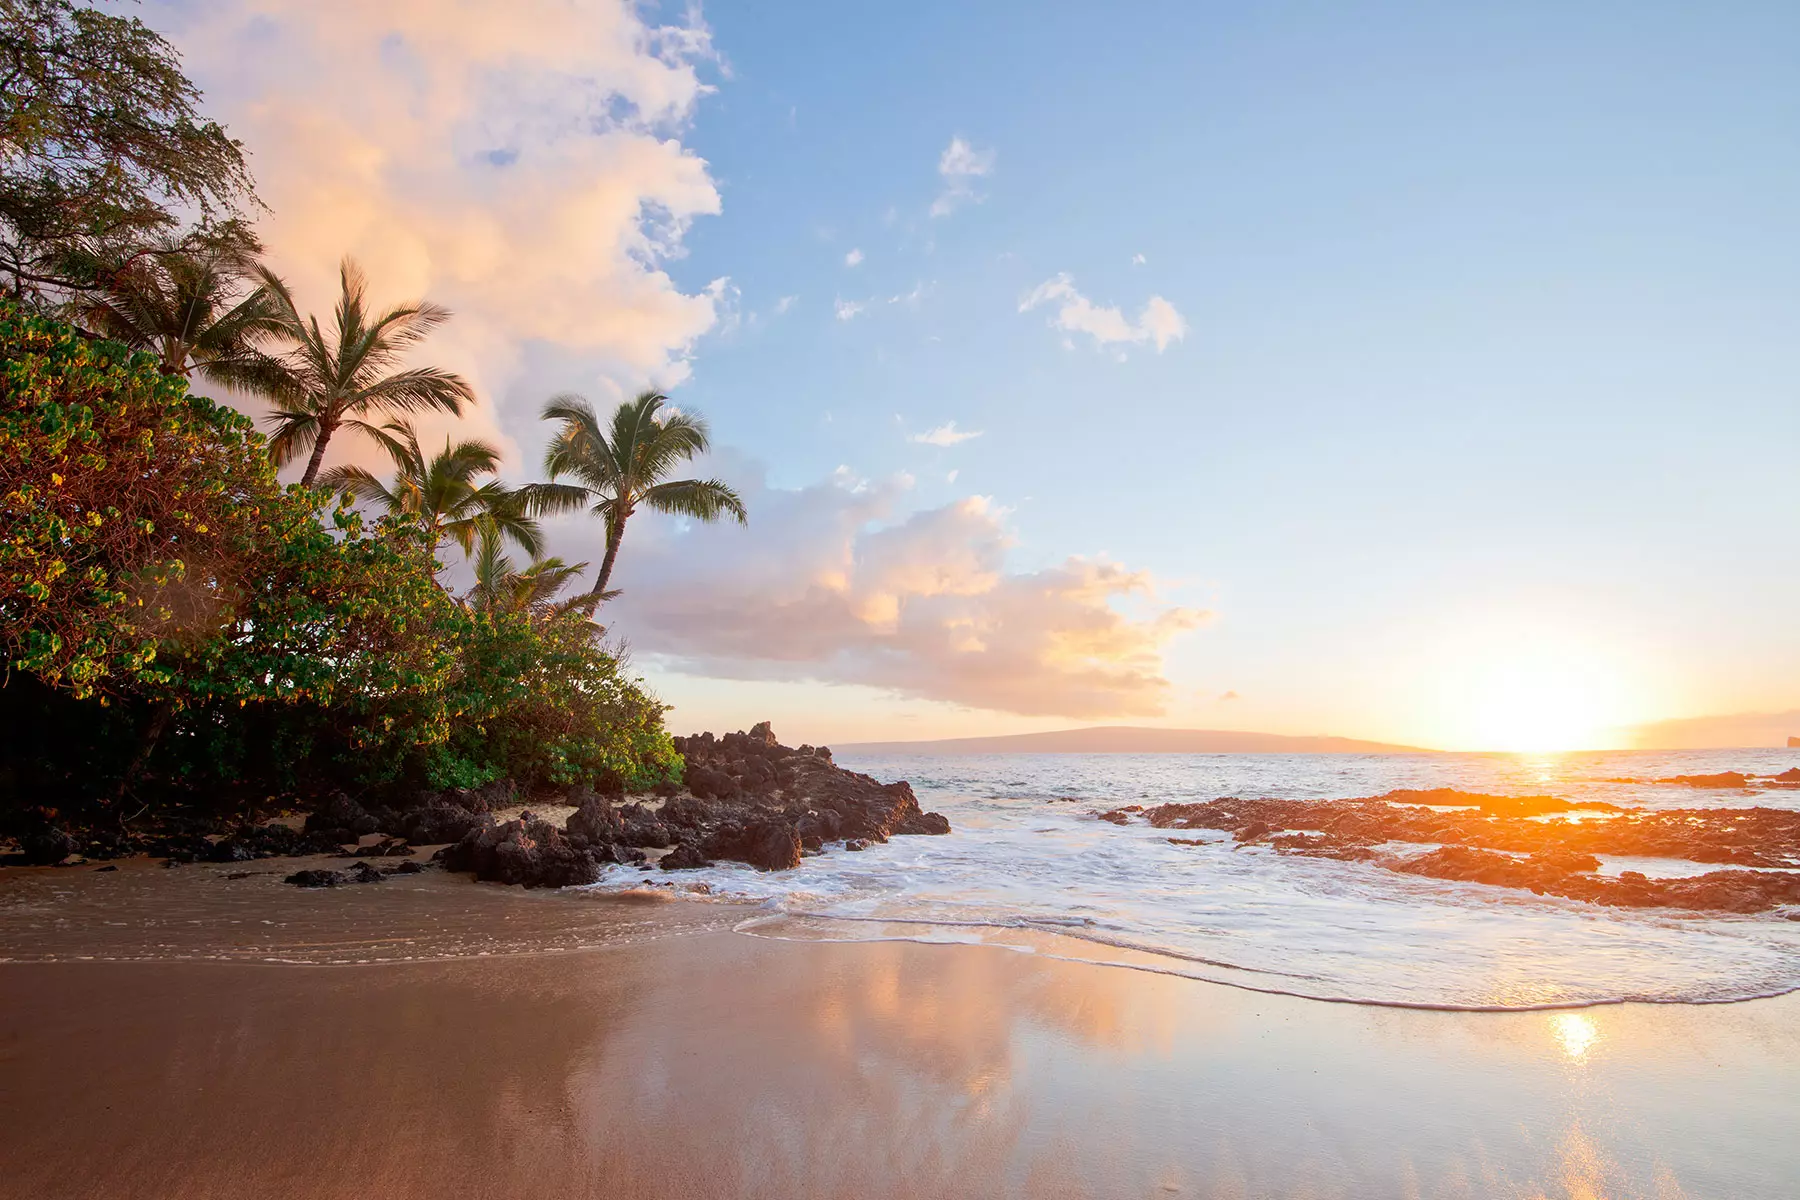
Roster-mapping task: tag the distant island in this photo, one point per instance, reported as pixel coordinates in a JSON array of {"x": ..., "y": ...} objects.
[{"x": 1130, "y": 739}]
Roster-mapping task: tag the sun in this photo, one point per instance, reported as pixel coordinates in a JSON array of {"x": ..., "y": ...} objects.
[{"x": 1532, "y": 694}]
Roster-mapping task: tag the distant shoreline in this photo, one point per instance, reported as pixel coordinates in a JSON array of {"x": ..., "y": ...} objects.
[{"x": 1127, "y": 739}]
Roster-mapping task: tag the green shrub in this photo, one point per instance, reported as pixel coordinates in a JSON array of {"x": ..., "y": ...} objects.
[{"x": 174, "y": 624}]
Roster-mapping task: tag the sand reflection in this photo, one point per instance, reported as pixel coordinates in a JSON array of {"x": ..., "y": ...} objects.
[{"x": 717, "y": 1065}]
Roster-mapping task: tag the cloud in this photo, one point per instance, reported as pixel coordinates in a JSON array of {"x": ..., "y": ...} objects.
[
  {"x": 848, "y": 310},
  {"x": 1158, "y": 323},
  {"x": 519, "y": 162},
  {"x": 918, "y": 293},
  {"x": 853, "y": 258},
  {"x": 829, "y": 583},
  {"x": 1230, "y": 696},
  {"x": 785, "y": 303},
  {"x": 1138, "y": 260},
  {"x": 960, "y": 166},
  {"x": 946, "y": 434}
]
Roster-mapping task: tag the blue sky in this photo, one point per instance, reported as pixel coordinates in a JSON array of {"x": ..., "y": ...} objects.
[{"x": 1482, "y": 421}]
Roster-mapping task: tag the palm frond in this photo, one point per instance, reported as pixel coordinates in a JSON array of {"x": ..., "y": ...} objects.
[{"x": 701, "y": 499}]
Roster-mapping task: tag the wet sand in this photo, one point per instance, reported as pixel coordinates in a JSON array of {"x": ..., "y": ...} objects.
[{"x": 671, "y": 1057}]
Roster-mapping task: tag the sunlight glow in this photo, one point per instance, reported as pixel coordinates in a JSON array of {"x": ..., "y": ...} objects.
[
  {"x": 1575, "y": 1032},
  {"x": 1529, "y": 692}
]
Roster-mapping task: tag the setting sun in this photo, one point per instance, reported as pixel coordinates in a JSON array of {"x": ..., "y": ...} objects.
[{"x": 1530, "y": 691}]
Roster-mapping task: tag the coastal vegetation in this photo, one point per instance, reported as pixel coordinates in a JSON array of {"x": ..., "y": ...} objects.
[{"x": 180, "y": 631}]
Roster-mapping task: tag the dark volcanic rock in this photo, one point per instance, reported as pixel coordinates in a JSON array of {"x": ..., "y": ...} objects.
[
  {"x": 440, "y": 821},
  {"x": 360, "y": 873},
  {"x": 1724, "y": 779},
  {"x": 341, "y": 816},
  {"x": 768, "y": 844},
  {"x": 596, "y": 820},
  {"x": 47, "y": 845},
  {"x": 685, "y": 857},
  {"x": 1487, "y": 841},
  {"x": 535, "y": 855}
]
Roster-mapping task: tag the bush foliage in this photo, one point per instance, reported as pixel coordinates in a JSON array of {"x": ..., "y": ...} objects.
[{"x": 177, "y": 626}]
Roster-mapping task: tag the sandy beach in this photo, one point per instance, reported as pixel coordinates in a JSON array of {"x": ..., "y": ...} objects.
[{"x": 660, "y": 1054}]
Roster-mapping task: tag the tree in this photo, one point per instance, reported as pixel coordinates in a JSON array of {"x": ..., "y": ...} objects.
[
  {"x": 187, "y": 300},
  {"x": 133, "y": 510},
  {"x": 326, "y": 383},
  {"x": 622, "y": 467},
  {"x": 442, "y": 492},
  {"x": 500, "y": 584},
  {"x": 99, "y": 140}
]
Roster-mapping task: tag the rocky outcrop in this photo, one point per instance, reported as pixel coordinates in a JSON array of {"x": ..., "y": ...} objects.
[
  {"x": 1534, "y": 843},
  {"x": 760, "y": 802}
]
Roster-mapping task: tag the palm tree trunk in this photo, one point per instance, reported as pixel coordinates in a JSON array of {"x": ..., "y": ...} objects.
[
  {"x": 318, "y": 454},
  {"x": 614, "y": 535}
]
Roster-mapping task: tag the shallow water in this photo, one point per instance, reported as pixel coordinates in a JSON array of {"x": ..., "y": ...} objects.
[{"x": 1030, "y": 868}]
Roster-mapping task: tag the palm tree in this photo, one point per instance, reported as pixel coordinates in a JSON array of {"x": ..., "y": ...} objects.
[
  {"x": 442, "y": 491},
  {"x": 621, "y": 467},
  {"x": 188, "y": 303},
  {"x": 335, "y": 381},
  {"x": 499, "y": 584}
]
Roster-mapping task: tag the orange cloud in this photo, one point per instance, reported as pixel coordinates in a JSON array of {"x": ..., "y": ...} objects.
[
  {"x": 519, "y": 162},
  {"x": 827, "y": 584}
]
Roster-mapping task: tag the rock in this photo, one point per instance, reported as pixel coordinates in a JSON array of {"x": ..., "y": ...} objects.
[
  {"x": 1791, "y": 775},
  {"x": 46, "y": 846},
  {"x": 501, "y": 793},
  {"x": 1724, "y": 779},
  {"x": 857, "y": 844},
  {"x": 533, "y": 854},
  {"x": 440, "y": 821},
  {"x": 934, "y": 824},
  {"x": 685, "y": 857},
  {"x": 596, "y": 820},
  {"x": 362, "y": 872},
  {"x": 314, "y": 879},
  {"x": 344, "y": 818},
  {"x": 1116, "y": 817},
  {"x": 1250, "y": 832},
  {"x": 645, "y": 829},
  {"x": 107, "y": 867},
  {"x": 410, "y": 867},
  {"x": 768, "y": 844}
]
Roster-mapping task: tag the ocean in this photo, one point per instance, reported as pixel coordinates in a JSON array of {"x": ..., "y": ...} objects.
[{"x": 1030, "y": 869}]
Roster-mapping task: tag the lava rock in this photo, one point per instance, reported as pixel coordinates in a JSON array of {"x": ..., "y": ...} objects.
[
  {"x": 596, "y": 820},
  {"x": 441, "y": 821},
  {"x": 532, "y": 854},
  {"x": 685, "y": 857},
  {"x": 768, "y": 844}
]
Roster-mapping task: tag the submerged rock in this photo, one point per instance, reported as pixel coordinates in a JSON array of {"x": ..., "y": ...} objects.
[{"x": 360, "y": 873}]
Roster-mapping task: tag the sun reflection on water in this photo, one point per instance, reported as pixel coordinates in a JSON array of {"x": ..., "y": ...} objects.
[{"x": 1575, "y": 1033}]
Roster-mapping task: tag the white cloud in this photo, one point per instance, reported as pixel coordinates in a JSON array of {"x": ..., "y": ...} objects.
[
  {"x": 1157, "y": 323},
  {"x": 919, "y": 292},
  {"x": 831, "y": 583},
  {"x": 946, "y": 434},
  {"x": 1138, "y": 260},
  {"x": 785, "y": 303},
  {"x": 849, "y": 310},
  {"x": 520, "y": 162},
  {"x": 951, "y": 477},
  {"x": 853, "y": 258},
  {"x": 961, "y": 165}
]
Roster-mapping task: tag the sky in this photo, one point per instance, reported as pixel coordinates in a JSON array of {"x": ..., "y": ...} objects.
[{"x": 1412, "y": 372}]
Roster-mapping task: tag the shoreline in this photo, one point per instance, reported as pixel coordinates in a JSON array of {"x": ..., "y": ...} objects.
[{"x": 703, "y": 1063}]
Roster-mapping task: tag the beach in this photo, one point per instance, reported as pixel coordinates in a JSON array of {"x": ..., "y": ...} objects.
[{"x": 520, "y": 1044}]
